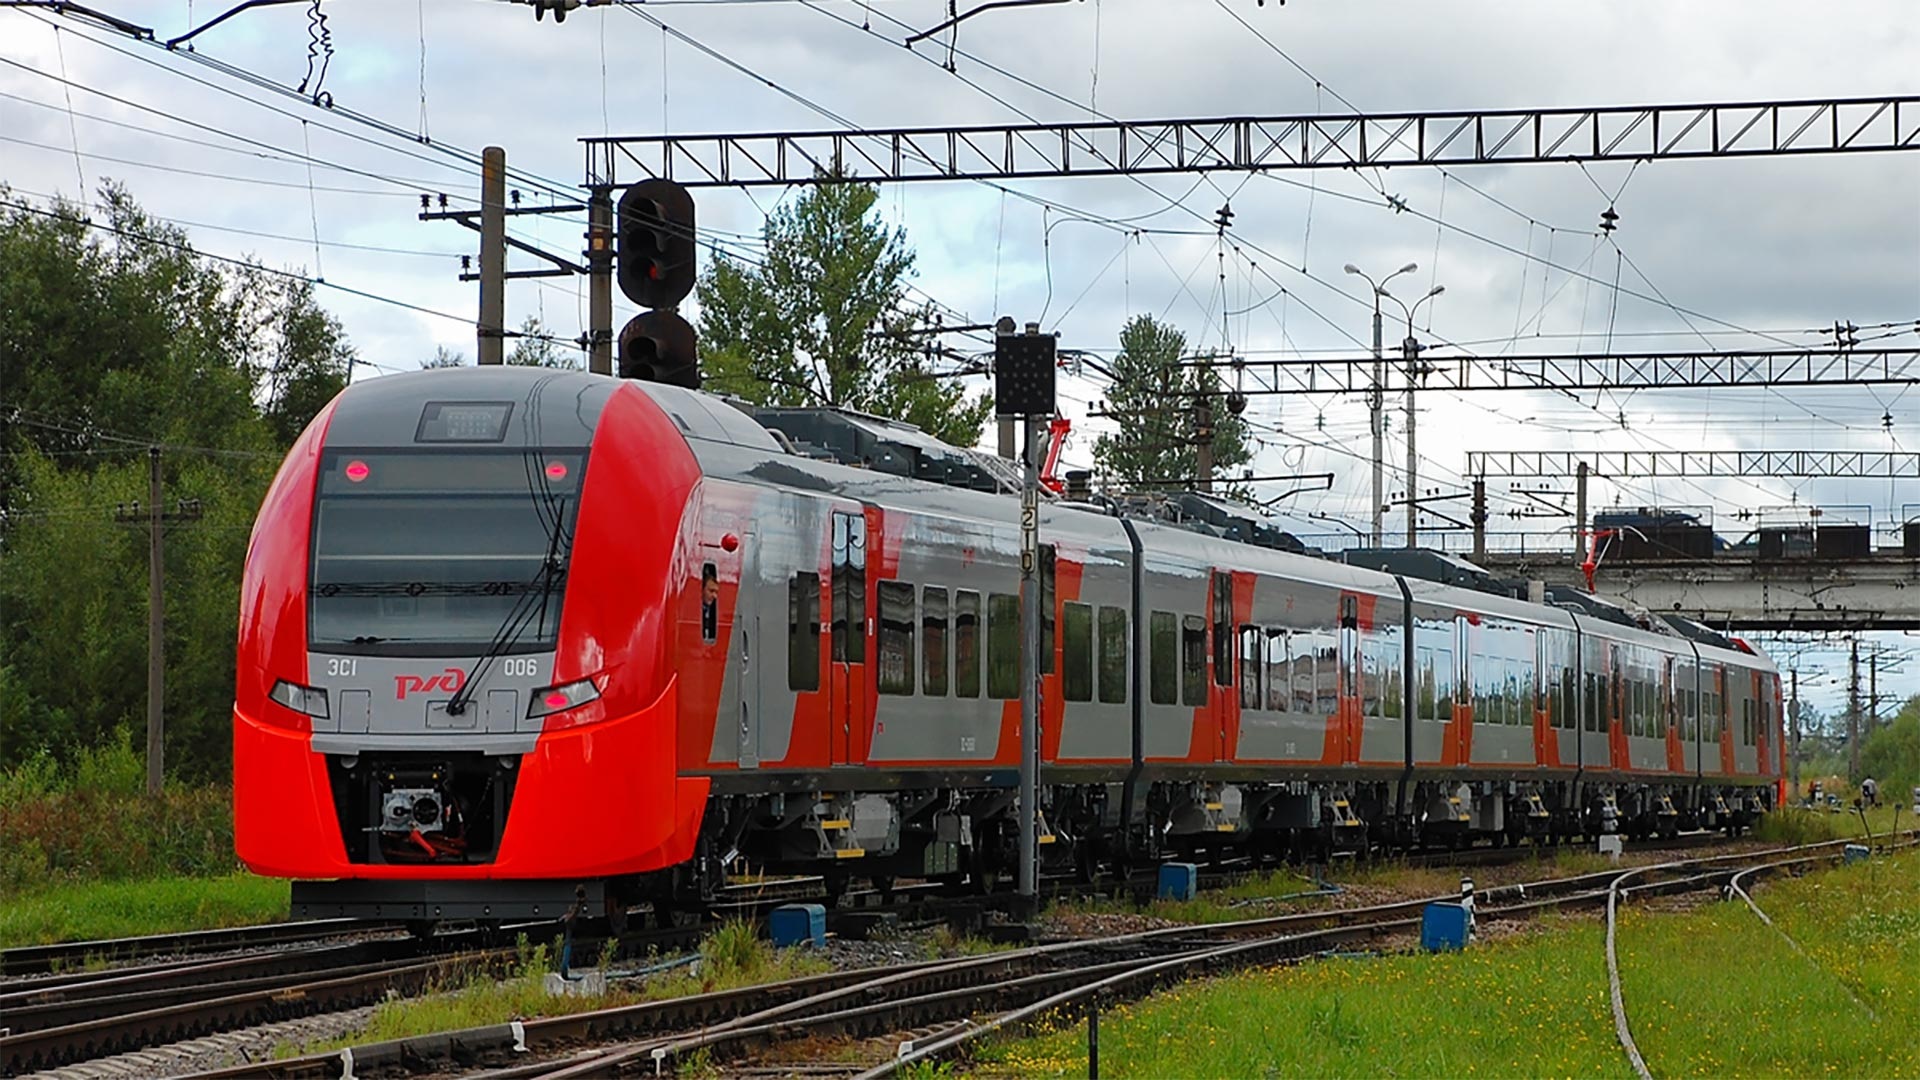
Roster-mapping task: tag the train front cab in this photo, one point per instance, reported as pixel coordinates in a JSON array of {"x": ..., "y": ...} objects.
[{"x": 452, "y": 695}]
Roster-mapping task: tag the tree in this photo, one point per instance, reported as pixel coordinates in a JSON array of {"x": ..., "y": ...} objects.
[
  {"x": 1160, "y": 406},
  {"x": 1891, "y": 754},
  {"x": 536, "y": 347},
  {"x": 309, "y": 358},
  {"x": 825, "y": 320},
  {"x": 114, "y": 337},
  {"x": 444, "y": 357}
]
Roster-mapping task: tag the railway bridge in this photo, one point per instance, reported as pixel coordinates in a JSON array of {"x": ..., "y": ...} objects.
[{"x": 1746, "y": 590}]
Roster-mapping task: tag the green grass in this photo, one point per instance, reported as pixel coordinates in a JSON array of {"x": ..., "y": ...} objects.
[
  {"x": 1712, "y": 992},
  {"x": 84, "y": 912},
  {"x": 1797, "y": 826},
  {"x": 1482, "y": 1013},
  {"x": 1744, "y": 1003}
]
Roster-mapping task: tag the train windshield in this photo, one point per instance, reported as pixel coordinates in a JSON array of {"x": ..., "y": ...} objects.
[{"x": 440, "y": 552}]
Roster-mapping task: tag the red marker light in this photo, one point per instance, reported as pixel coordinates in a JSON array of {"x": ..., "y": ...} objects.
[
  {"x": 557, "y": 470},
  {"x": 729, "y": 542},
  {"x": 557, "y": 700},
  {"x": 358, "y": 471}
]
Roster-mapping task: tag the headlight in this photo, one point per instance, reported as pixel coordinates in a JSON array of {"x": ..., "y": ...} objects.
[
  {"x": 301, "y": 699},
  {"x": 561, "y": 698}
]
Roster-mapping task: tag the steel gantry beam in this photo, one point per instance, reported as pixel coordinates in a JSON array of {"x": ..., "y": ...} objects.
[
  {"x": 1252, "y": 143},
  {"x": 1654, "y": 464},
  {"x": 1599, "y": 371}
]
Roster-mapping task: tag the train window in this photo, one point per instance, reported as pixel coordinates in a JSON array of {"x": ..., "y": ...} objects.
[
  {"x": 1076, "y": 637},
  {"x": 803, "y": 631},
  {"x": 1113, "y": 655},
  {"x": 1279, "y": 679},
  {"x": 1329, "y": 674},
  {"x": 1003, "y": 645},
  {"x": 933, "y": 641},
  {"x": 1163, "y": 643},
  {"x": 1369, "y": 678},
  {"x": 1300, "y": 647},
  {"x": 1566, "y": 699},
  {"x": 1048, "y": 590},
  {"x": 1222, "y": 630},
  {"x": 1193, "y": 660},
  {"x": 1539, "y": 694},
  {"x": 966, "y": 643},
  {"x": 1425, "y": 703},
  {"x": 1393, "y": 675},
  {"x": 1592, "y": 710},
  {"x": 1252, "y": 657},
  {"x": 709, "y": 603},
  {"x": 894, "y": 651}
]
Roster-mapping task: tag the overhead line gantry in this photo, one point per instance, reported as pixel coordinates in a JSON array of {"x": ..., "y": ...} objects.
[{"x": 1263, "y": 143}]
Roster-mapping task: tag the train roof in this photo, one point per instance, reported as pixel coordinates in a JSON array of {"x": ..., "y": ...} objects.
[{"x": 759, "y": 446}]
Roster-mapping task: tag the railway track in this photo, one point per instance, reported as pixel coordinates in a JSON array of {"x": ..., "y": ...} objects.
[
  {"x": 74, "y": 1017},
  {"x": 932, "y": 996},
  {"x": 73, "y": 955}
]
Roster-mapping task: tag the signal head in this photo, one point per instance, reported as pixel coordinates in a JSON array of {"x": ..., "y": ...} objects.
[{"x": 654, "y": 247}]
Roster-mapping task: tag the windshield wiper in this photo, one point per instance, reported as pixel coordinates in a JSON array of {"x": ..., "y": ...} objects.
[{"x": 552, "y": 569}]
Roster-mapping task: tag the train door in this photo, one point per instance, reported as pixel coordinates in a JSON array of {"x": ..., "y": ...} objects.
[
  {"x": 1222, "y": 705},
  {"x": 747, "y": 620},
  {"x": 847, "y": 679}
]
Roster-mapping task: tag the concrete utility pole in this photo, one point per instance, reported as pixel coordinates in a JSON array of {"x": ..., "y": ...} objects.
[
  {"x": 1203, "y": 433},
  {"x": 600, "y": 282},
  {"x": 1793, "y": 714},
  {"x": 1580, "y": 514},
  {"x": 1873, "y": 691},
  {"x": 1853, "y": 713},
  {"x": 156, "y": 627},
  {"x": 1377, "y": 400},
  {"x": 1410, "y": 352},
  {"x": 1376, "y": 405},
  {"x": 1479, "y": 519},
  {"x": 493, "y": 256}
]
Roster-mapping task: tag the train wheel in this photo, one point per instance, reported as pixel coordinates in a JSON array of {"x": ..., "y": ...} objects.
[
  {"x": 835, "y": 882},
  {"x": 668, "y": 915},
  {"x": 422, "y": 928},
  {"x": 616, "y": 916}
]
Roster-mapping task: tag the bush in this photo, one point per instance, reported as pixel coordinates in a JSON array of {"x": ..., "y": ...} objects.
[{"x": 94, "y": 822}]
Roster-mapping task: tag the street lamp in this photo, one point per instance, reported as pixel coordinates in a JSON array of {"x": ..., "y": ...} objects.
[
  {"x": 1377, "y": 400},
  {"x": 1410, "y": 350}
]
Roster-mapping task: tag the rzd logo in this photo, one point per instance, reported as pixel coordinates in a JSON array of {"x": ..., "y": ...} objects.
[{"x": 449, "y": 681}]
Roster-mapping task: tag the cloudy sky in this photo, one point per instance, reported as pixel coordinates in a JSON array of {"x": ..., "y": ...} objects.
[{"x": 1722, "y": 254}]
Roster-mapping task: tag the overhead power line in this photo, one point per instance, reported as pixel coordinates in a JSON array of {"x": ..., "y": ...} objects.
[{"x": 285, "y": 274}]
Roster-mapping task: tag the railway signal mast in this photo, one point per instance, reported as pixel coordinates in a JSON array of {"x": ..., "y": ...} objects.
[{"x": 1023, "y": 388}]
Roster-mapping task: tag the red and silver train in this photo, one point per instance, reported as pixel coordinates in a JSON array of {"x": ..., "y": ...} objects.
[{"x": 506, "y": 632}]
